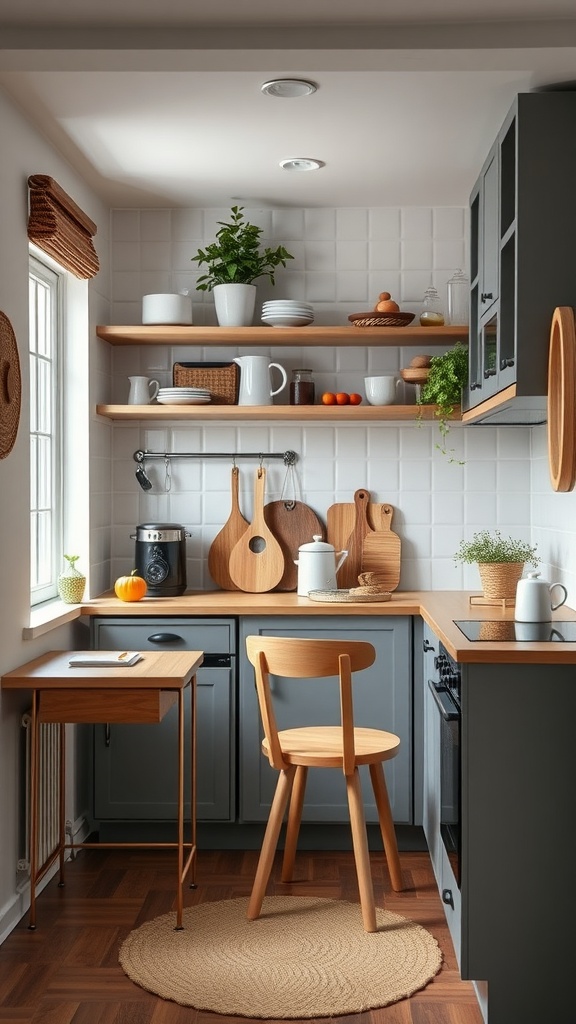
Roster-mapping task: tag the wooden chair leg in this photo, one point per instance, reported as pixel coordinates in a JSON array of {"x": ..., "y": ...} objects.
[
  {"x": 293, "y": 825},
  {"x": 270, "y": 841},
  {"x": 361, "y": 854},
  {"x": 386, "y": 825}
]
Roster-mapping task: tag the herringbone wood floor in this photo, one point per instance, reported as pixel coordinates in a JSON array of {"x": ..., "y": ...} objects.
[{"x": 67, "y": 972}]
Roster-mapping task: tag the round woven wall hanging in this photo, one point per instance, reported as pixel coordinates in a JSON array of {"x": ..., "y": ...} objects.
[{"x": 10, "y": 387}]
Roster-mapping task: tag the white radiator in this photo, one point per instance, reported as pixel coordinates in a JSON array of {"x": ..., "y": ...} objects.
[{"x": 48, "y": 791}]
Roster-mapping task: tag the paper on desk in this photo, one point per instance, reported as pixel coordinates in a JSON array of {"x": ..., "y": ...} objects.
[{"x": 105, "y": 659}]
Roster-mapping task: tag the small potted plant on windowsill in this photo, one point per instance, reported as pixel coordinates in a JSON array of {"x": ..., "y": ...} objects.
[
  {"x": 234, "y": 261},
  {"x": 500, "y": 561}
]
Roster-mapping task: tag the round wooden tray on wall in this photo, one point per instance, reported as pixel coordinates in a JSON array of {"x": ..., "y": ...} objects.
[{"x": 562, "y": 399}]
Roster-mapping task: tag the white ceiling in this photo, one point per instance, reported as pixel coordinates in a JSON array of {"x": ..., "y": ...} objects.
[{"x": 157, "y": 106}]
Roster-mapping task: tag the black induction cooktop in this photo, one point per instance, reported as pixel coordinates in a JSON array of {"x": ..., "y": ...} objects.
[{"x": 559, "y": 631}]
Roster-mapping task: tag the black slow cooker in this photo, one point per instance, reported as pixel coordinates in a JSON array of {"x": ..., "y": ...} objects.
[{"x": 160, "y": 558}]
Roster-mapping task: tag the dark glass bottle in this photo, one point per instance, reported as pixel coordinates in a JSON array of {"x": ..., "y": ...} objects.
[{"x": 301, "y": 388}]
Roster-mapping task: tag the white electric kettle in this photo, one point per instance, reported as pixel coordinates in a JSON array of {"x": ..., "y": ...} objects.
[
  {"x": 534, "y": 600},
  {"x": 317, "y": 566},
  {"x": 255, "y": 380}
]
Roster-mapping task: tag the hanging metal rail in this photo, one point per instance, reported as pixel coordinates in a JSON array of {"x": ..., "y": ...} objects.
[{"x": 288, "y": 457}]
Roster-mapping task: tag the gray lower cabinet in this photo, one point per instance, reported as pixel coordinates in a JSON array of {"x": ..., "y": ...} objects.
[
  {"x": 135, "y": 765},
  {"x": 518, "y": 836},
  {"x": 382, "y": 699}
]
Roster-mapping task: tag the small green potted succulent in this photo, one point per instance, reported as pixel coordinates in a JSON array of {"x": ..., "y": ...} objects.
[
  {"x": 443, "y": 388},
  {"x": 237, "y": 259},
  {"x": 500, "y": 561}
]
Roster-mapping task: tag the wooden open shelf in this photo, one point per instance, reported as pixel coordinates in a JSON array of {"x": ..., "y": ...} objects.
[
  {"x": 297, "y": 413},
  {"x": 304, "y": 336}
]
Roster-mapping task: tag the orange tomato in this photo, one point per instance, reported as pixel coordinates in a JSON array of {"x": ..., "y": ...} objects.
[
  {"x": 355, "y": 399},
  {"x": 328, "y": 398},
  {"x": 130, "y": 588},
  {"x": 342, "y": 398}
]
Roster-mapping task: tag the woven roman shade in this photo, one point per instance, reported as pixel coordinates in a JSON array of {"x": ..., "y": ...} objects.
[{"x": 59, "y": 227}]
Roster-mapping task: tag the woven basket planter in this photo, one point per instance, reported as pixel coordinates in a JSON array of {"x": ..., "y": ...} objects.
[{"x": 499, "y": 579}]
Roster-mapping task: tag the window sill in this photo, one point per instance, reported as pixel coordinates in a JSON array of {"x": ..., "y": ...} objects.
[{"x": 49, "y": 617}]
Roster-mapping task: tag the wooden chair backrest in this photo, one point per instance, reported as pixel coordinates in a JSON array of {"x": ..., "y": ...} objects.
[{"x": 297, "y": 658}]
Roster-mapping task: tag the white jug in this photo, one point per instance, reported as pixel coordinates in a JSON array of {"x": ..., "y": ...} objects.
[
  {"x": 255, "y": 380},
  {"x": 317, "y": 566},
  {"x": 142, "y": 390},
  {"x": 534, "y": 601}
]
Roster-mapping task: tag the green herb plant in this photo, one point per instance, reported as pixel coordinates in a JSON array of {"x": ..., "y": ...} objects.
[
  {"x": 493, "y": 547},
  {"x": 443, "y": 388},
  {"x": 236, "y": 257}
]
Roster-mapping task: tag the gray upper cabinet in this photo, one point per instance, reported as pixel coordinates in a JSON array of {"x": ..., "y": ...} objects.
[
  {"x": 382, "y": 699},
  {"x": 522, "y": 215}
]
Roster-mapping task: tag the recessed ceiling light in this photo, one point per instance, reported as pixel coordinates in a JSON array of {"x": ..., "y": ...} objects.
[
  {"x": 288, "y": 88},
  {"x": 301, "y": 163}
]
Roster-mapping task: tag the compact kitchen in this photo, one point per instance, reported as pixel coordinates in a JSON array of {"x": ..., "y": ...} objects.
[{"x": 289, "y": 472}]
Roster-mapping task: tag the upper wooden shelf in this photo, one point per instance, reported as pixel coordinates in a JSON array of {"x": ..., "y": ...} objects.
[{"x": 308, "y": 336}]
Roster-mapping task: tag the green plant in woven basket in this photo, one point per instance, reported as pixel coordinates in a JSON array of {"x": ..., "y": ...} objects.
[
  {"x": 236, "y": 257},
  {"x": 493, "y": 547},
  {"x": 447, "y": 376}
]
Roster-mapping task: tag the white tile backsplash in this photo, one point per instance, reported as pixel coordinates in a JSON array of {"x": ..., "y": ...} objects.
[{"x": 344, "y": 259}]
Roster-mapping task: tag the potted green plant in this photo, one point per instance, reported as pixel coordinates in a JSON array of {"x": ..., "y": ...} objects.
[
  {"x": 447, "y": 376},
  {"x": 237, "y": 259},
  {"x": 500, "y": 561}
]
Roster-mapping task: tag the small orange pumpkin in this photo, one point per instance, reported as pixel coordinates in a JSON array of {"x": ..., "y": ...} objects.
[{"x": 130, "y": 588}]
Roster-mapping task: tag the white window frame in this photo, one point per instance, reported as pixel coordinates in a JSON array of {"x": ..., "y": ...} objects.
[{"x": 46, "y": 354}]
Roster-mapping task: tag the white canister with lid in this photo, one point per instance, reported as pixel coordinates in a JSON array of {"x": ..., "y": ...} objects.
[
  {"x": 318, "y": 564},
  {"x": 534, "y": 599},
  {"x": 167, "y": 309}
]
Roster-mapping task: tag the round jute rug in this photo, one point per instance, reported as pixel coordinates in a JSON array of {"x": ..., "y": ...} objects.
[{"x": 301, "y": 958}]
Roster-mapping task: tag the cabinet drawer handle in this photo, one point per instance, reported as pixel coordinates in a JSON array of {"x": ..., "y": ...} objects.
[
  {"x": 474, "y": 385},
  {"x": 504, "y": 363},
  {"x": 484, "y": 296},
  {"x": 165, "y": 638},
  {"x": 489, "y": 373},
  {"x": 448, "y": 898}
]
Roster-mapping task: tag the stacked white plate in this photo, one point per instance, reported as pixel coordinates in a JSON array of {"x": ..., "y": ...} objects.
[
  {"x": 287, "y": 313},
  {"x": 183, "y": 396}
]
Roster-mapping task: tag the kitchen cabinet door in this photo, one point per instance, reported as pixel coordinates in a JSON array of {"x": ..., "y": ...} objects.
[
  {"x": 522, "y": 212},
  {"x": 382, "y": 699},
  {"x": 129, "y": 785}
]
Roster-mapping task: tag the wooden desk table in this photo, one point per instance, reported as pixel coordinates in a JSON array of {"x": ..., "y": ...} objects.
[{"x": 140, "y": 693}]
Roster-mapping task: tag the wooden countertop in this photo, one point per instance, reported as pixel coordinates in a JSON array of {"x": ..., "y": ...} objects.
[{"x": 438, "y": 608}]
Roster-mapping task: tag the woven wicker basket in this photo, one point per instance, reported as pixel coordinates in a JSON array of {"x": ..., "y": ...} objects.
[
  {"x": 499, "y": 579},
  {"x": 375, "y": 319},
  {"x": 221, "y": 379}
]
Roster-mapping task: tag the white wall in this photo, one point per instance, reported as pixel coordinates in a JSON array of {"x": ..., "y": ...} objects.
[
  {"x": 343, "y": 259},
  {"x": 24, "y": 152}
]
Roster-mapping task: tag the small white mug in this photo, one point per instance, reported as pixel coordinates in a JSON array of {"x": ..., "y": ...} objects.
[
  {"x": 142, "y": 390},
  {"x": 381, "y": 390}
]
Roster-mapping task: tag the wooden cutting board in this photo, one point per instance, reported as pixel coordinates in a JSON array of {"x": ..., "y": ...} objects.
[
  {"x": 381, "y": 551},
  {"x": 256, "y": 561},
  {"x": 340, "y": 520},
  {"x": 293, "y": 523},
  {"x": 224, "y": 542},
  {"x": 352, "y": 565}
]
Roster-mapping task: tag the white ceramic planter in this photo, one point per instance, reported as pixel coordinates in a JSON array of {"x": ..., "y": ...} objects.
[{"x": 234, "y": 304}]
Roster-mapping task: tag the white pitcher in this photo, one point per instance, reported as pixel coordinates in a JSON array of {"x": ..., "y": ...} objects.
[
  {"x": 535, "y": 599},
  {"x": 142, "y": 390},
  {"x": 255, "y": 380}
]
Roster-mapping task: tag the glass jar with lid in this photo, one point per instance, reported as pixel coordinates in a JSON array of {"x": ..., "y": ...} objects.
[
  {"x": 432, "y": 314},
  {"x": 457, "y": 291},
  {"x": 302, "y": 391}
]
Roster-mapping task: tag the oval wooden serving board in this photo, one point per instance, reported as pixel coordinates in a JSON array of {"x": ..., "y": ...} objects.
[
  {"x": 256, "y": 562},
  {"x": 224, "y": 542}
]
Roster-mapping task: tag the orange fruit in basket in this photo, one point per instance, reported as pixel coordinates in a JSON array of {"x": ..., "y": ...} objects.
[{"x": 328, "y": 398}]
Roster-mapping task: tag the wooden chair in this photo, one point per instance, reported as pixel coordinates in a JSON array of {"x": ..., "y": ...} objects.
[{"x": 293, "y": 751}]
